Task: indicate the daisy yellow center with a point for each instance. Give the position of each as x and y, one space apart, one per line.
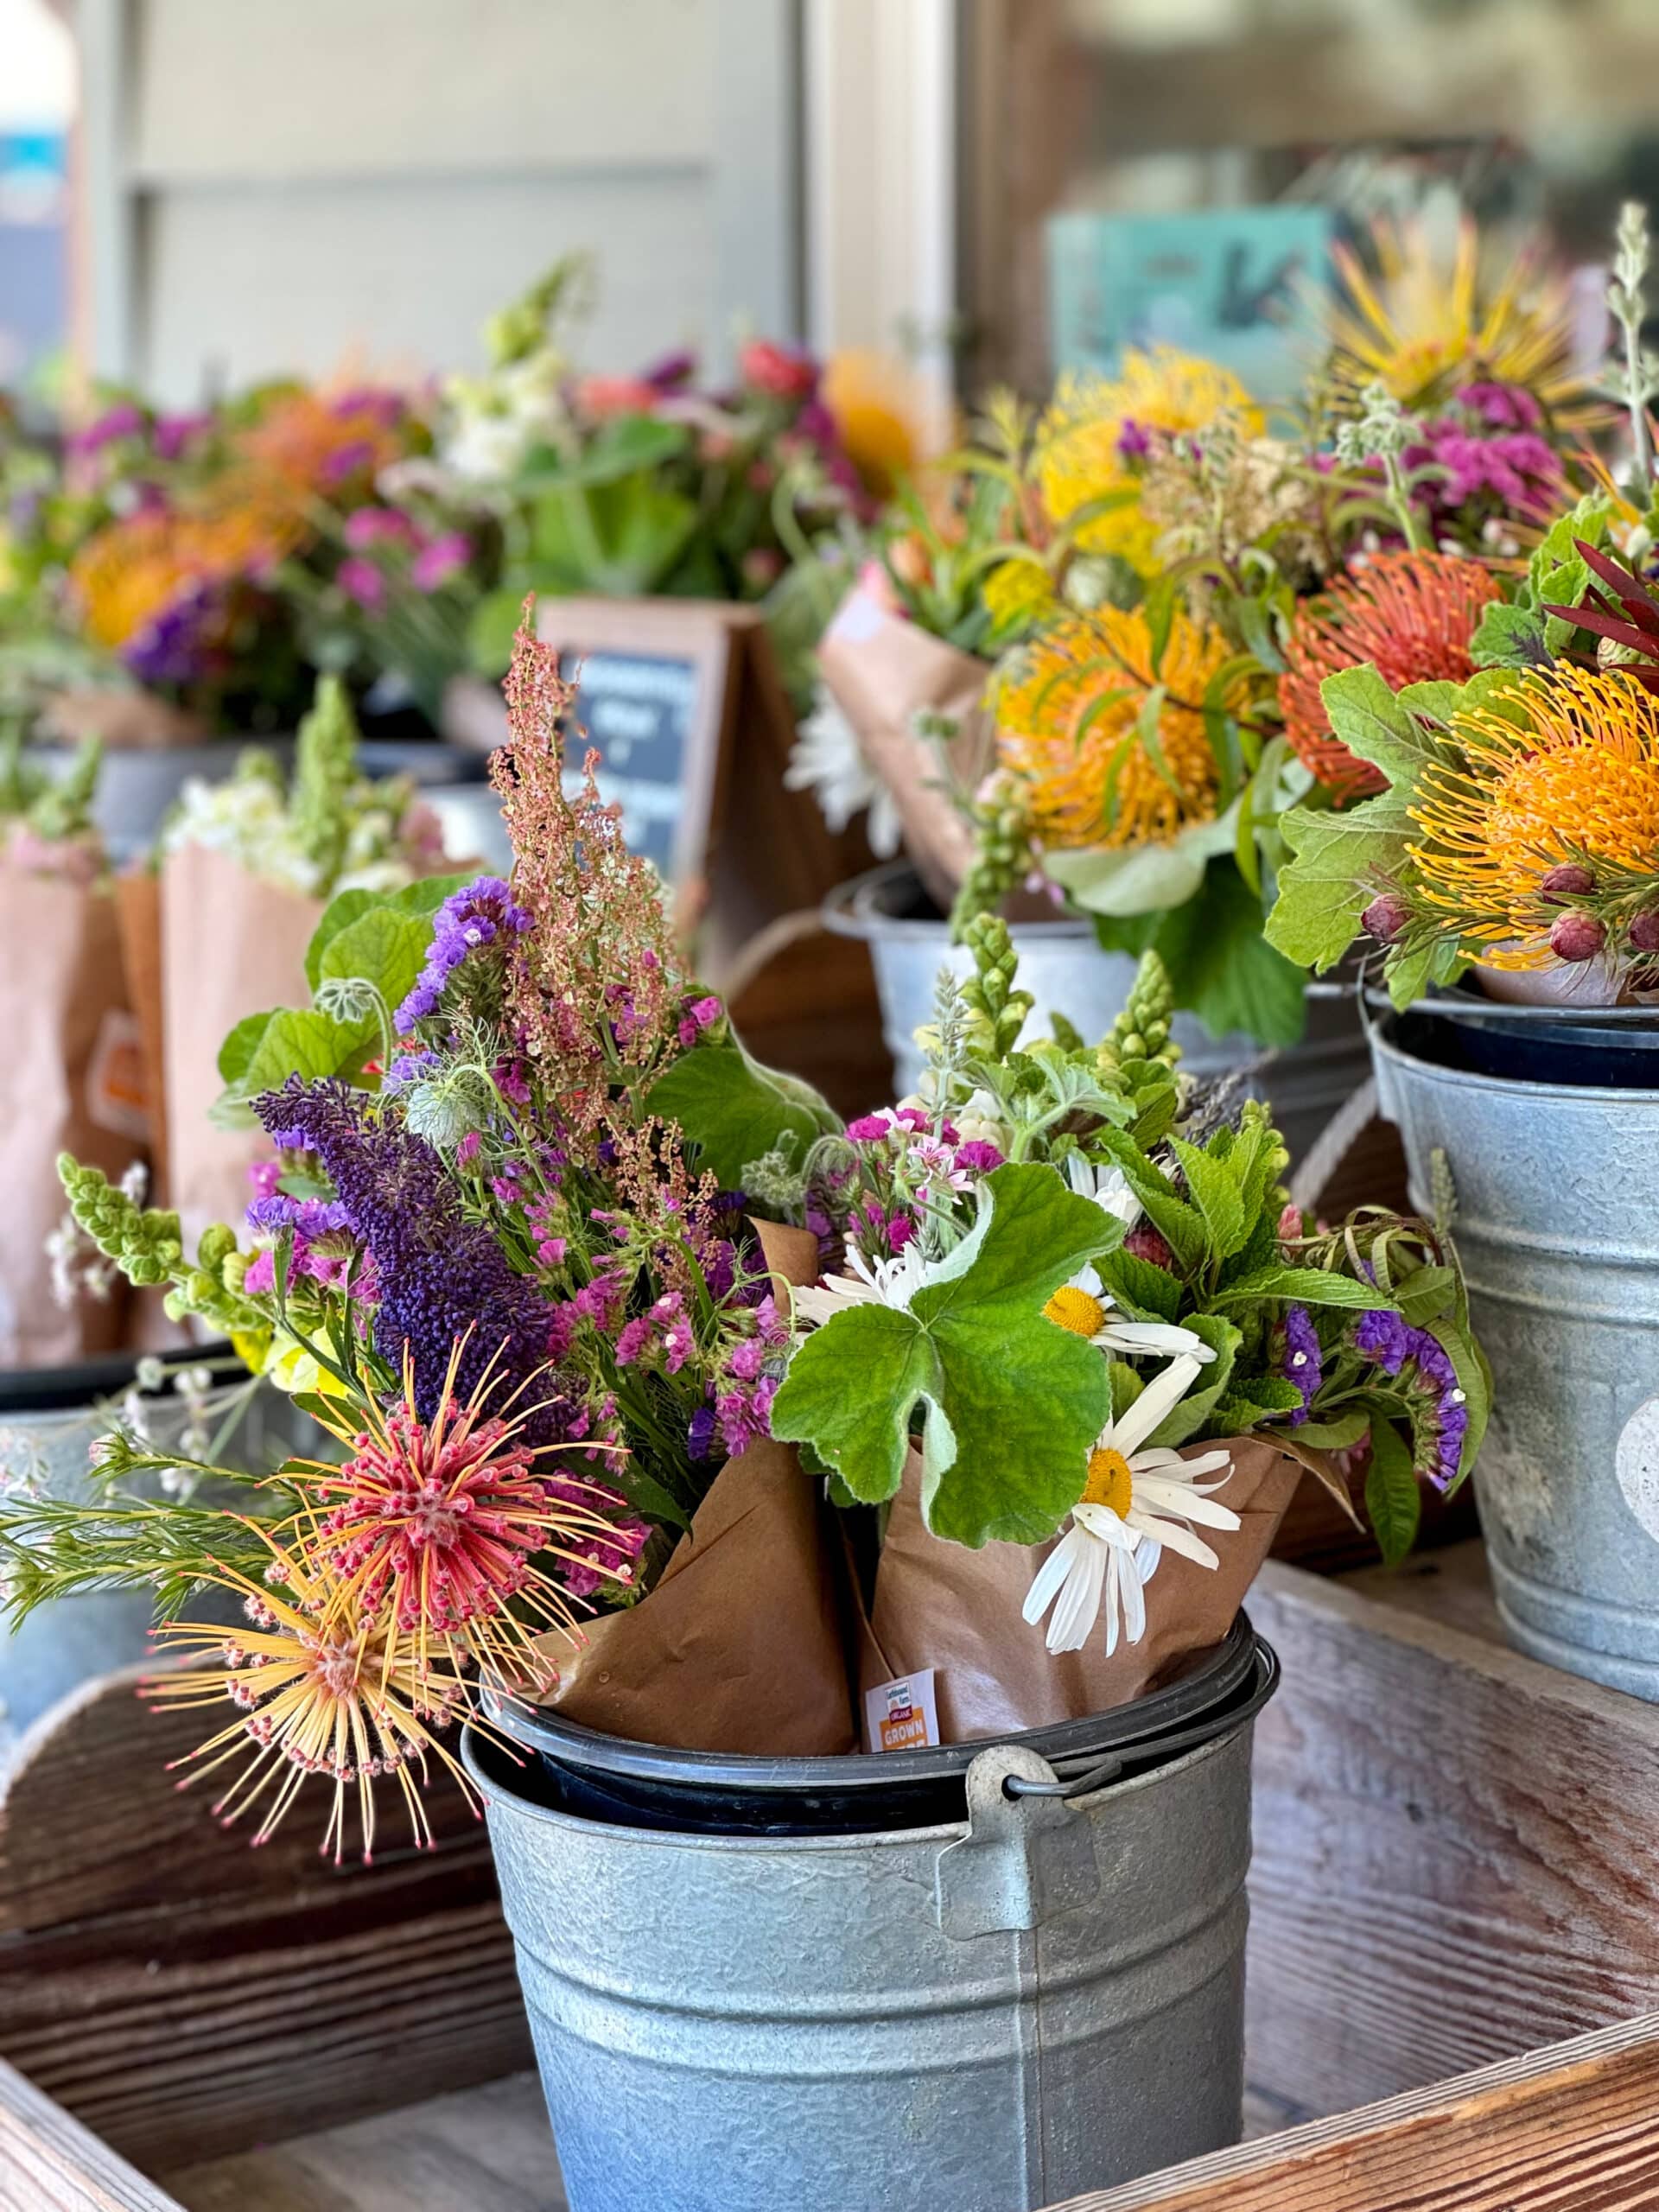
1110 1483
1075 1310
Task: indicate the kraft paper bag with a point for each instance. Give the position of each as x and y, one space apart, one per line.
232 944
70 1081
941 1605
882 670
740 1647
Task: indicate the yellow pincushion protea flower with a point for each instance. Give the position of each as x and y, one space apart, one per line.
1071 710
1094 426
891 418
133 568
1560 774
1423 328
1019 591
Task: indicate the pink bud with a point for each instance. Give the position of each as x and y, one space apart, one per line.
1569 881
1577 937
1387 917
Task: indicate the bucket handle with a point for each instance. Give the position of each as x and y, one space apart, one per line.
1203 1732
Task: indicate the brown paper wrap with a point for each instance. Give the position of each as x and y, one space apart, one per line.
941 1605
739 1648
232 944
61 992
881 670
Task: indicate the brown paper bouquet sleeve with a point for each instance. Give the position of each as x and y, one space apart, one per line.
61 1003
739 1648
941 1605
882 672
232 944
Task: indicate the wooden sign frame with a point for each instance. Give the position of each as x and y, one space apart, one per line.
745 850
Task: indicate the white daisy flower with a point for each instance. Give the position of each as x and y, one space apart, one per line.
873 1282
826 761
1085 1307
1137 1501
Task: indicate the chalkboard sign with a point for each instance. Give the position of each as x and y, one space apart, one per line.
682 701
640 711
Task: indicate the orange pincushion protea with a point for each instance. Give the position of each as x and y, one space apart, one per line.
128 573
1068 717
1411 614
1558 775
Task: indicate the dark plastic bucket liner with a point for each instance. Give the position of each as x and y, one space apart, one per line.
1607 1049
600 1777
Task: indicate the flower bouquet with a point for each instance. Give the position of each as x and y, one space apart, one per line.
564 1274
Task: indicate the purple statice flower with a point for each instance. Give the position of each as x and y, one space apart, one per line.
1300 1361
367 527
310 1217
698 1015
174 433
435 563
468 920
407 1068
1502 406
385 407
1440 1413
671 370
124 420
1133 442
362 583
441 1277
700 1435
171 648
265 1175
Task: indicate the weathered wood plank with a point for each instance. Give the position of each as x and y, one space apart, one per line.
1456 1849
488 2149
183 1995
50 2163
1573 2128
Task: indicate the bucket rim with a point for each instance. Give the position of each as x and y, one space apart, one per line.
1385 1047
850 910
1217 1677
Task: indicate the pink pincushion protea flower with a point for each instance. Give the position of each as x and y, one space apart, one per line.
440 1523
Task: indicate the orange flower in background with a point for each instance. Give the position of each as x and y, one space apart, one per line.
1567 792
1411 615
132 571
307 446
1070 715
892 418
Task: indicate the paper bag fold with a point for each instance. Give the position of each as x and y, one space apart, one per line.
232 944
941 1605
882 671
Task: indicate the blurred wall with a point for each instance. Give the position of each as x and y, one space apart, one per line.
290 186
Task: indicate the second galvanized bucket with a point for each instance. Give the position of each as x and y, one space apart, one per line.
1064 968
1558 1228
1040 1995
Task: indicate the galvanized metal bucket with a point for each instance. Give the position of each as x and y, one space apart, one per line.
1558 1227
1041 1995
1066 972
70 1640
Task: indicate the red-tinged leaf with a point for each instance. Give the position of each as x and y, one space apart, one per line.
1631 592
1606 625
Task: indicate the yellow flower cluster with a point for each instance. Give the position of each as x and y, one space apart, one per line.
1108 738
1081 459
1559 772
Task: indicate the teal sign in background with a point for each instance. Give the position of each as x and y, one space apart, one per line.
1231 283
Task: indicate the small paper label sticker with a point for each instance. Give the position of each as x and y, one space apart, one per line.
116 1094
901 1716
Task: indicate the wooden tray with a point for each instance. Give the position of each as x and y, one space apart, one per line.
1456 1862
